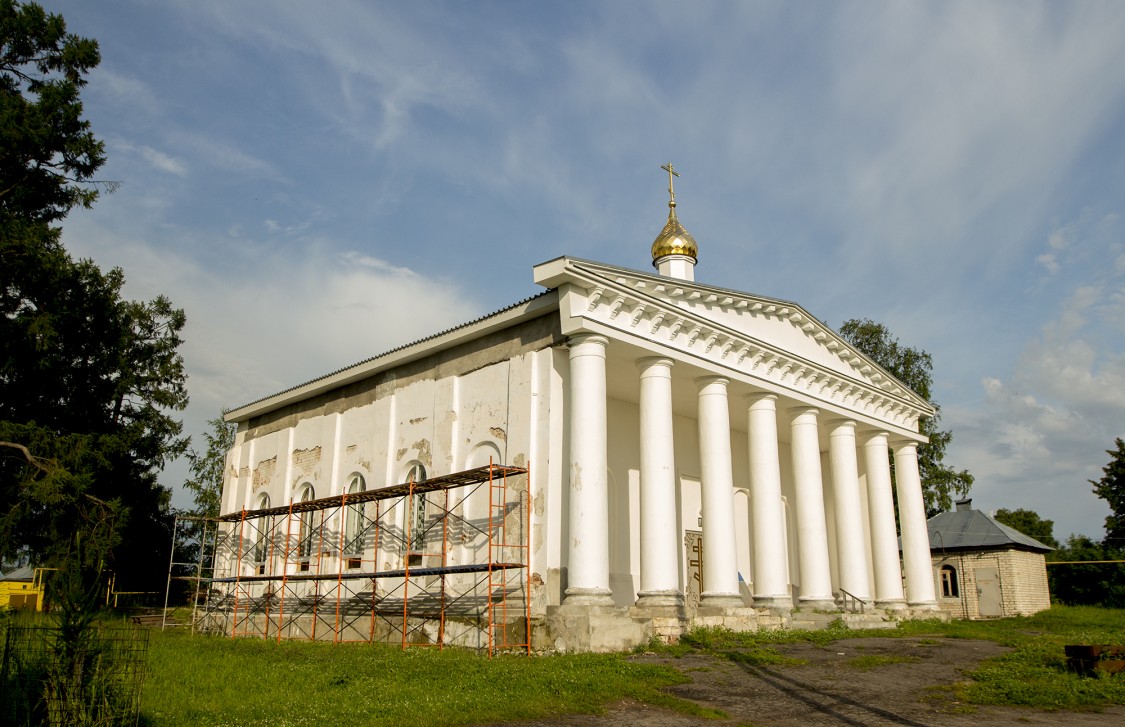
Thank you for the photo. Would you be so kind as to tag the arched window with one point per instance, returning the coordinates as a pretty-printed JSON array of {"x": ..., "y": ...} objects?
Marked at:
[
  {"x": 261, "y": 535},
  {"x": 355, "y": 528},
  {"x": 416, "y": 515},
  {"x": 305, "y": 529},
  {"x": 949, "y": 587}
]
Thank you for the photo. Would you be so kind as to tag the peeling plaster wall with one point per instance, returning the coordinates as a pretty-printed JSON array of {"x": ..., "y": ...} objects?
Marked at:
[
  {"x": 532, "y": 335},
  {"x": 501, "y": 398}
]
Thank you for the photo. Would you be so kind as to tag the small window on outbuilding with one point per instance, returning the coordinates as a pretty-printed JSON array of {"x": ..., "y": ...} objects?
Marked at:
[{"x": 949, "y": 587}]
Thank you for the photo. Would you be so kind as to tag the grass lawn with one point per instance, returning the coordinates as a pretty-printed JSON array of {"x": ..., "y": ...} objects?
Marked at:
[
  {"x": 218, "y": 681},
  {"x": 200, "y": 680}
]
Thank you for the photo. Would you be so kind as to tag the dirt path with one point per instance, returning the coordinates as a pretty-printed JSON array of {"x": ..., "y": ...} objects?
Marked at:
[{"x": 895, "y": 682}]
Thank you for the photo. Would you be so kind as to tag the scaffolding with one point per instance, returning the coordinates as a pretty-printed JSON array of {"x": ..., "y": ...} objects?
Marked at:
[
  {"x": 201, "y": 533},
  {"x": 416, "y": 564}
]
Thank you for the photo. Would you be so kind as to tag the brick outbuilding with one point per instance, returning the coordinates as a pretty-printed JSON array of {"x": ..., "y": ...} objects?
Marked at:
[{"x": 985, "y": 569}]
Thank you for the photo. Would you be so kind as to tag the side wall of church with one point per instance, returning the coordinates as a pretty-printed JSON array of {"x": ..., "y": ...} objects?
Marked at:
[{"x": 496, "y": 399}]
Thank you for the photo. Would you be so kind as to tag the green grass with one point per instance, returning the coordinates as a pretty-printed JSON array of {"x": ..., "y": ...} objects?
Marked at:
[
  {"x": 1034, "y": 673},
  {"x": 217, "y": 681},
  {"x": 867, "y": 662}
]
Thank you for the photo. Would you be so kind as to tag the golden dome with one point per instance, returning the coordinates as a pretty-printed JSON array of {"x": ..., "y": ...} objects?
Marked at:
[{"x": 674, "y": 239}]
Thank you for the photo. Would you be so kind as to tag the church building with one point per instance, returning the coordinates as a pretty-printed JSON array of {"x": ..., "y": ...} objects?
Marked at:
[{"x": 693, "y": 455}]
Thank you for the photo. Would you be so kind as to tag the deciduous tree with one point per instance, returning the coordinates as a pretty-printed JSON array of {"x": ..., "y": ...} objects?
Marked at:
[
  {"x": 914, "y": 367},
  {"x": 1029, "y": 523},
  {"x": 88, "y": 380},
  {"x": 208, "y": 467}
]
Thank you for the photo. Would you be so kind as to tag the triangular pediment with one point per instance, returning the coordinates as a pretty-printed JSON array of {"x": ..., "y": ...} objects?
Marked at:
[{"x": 776, "y": 341}]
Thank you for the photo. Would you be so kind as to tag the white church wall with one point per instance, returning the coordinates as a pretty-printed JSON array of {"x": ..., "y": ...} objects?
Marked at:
[
  {"x": 742, "y": 536},
  {"x": 624, "y": 457},
  {"x": 830, "y": 520},
  {"x": 789, "y": 497},
  {"x": 555, "y": 528},
  {"x": 866, "y": 524}
]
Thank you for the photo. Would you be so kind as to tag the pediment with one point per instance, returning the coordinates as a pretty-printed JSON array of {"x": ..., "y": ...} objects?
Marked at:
[{"x": 773, "y": 340}]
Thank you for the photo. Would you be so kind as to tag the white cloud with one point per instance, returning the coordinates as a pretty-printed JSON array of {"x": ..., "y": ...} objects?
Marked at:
[
  {"x": 126, "y": 91},
  {"x": 270, "y": 316},
  {"x": 1049, "y": 262},
  {"x": 155, "y": 158},
  {"x": 225, "y": 155},
  {"x": 163, "y": 162},
  {"x": 1037, "y": 437}
]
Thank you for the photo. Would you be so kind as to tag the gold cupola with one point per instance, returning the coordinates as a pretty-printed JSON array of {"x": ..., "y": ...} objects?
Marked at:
[{"x": 674, "y": 252}]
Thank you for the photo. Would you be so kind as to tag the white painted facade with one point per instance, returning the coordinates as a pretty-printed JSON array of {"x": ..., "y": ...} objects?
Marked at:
[{"x": 652, "y": 409}]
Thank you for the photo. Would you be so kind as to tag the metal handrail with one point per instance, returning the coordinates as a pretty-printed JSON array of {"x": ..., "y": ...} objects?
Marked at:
[{"x": 848, "y": 602}]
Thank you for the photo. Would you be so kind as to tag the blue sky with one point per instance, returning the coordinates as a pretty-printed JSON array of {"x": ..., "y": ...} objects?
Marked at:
[{"x": 318, "y": 182}]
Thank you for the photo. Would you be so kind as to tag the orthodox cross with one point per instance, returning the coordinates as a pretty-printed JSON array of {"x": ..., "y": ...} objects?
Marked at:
[{"x": 671, "y": 173}]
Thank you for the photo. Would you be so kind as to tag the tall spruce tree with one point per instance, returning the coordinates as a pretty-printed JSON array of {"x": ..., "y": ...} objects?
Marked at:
[
  {"x": 1111, "y": 488},
  {"x": 88, "y": 380}
]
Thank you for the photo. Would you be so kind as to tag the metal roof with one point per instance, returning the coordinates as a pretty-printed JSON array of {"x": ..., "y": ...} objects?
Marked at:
[
  {"x": 972, "y": 529},
  {"x": 26, "y": 573}
]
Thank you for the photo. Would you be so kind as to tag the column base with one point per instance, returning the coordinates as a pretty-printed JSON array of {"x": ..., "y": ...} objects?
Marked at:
[
  {"x": 817, "y": 603},
  {"x": 722, "y": 600},
  {"x": 777, "y": 601},
  {"x": 588, "y": 597},
  {"x": 660, "y": 598},
  {"x": 923, "y": 605},
  {"x": 892, "y": 604}
]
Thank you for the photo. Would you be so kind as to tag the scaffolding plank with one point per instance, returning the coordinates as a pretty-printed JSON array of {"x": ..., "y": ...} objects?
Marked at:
[{"x": 400, "y": 573}]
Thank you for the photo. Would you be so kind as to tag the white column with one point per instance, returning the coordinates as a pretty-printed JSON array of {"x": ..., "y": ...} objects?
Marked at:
[
  {"x": 588, "y": 562},
  {"x": 881, "y": 511},
  {"x": 771, "y": 588},
  {"x": 660, "y": 568},
  {"x": 812, "y": 533},
  {"x": 915, "y": 534},
  {"x": 850, "y": 548},
  {"x": 720, "y": 566}
]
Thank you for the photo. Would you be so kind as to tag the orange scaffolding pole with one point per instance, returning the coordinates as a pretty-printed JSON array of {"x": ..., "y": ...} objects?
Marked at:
[{"x": 238, "y": 573}]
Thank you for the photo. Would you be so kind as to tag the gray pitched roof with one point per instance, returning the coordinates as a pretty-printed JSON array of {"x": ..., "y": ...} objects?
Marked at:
[
  {"x": 973, "y": 529},
  {"x": 26, "y": 573}
]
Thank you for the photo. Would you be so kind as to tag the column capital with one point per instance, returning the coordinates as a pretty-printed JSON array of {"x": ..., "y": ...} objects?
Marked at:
[
  {"x": 839, "y": 423},
  {"x": 798, "y": 411},
  {"x": 760, "y": 396},
  {"x": 901, "y": 443},
  {"x": 872, "y": 436},
  {"x": 646, "y": 363},
  {"x": 704, "y": 382},
  {"x": 579, "y": 339}
]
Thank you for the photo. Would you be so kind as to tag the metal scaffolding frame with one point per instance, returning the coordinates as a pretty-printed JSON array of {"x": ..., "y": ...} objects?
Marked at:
[{"x": 403, "y": 564}]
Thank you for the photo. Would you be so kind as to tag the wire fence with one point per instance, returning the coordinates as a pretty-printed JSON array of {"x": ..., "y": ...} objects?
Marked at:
[{"x": 92, "y": 679}]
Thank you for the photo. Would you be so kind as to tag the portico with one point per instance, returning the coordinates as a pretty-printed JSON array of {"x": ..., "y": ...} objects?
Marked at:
[{"x": 836, "y": 471}]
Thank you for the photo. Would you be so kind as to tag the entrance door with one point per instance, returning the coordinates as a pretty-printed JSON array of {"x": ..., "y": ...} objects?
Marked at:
[
  {"x": 988, "y": 592},
  {"x": 693, "y": 545}
]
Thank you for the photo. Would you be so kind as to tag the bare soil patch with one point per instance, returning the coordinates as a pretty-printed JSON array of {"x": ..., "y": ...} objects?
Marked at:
[{"x": 861, "y": 681}]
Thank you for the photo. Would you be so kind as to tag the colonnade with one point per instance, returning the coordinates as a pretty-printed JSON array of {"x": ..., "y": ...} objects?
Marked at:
[{"x": 588, "y": 566}]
